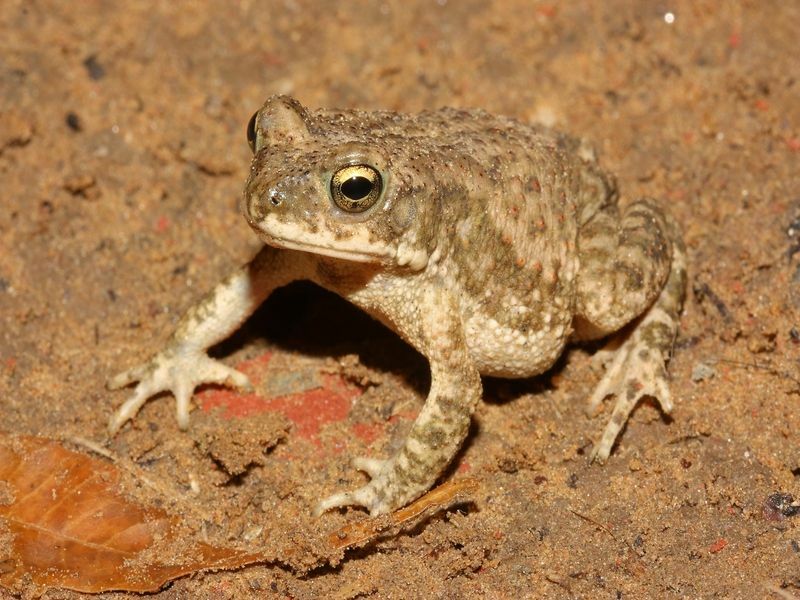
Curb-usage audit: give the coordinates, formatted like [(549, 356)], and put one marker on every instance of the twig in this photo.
[(754, 365)]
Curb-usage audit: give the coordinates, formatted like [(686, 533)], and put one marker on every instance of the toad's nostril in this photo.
[(274, 198)]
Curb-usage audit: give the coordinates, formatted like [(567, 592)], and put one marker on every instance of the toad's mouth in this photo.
[(323, 242), (343, 253)]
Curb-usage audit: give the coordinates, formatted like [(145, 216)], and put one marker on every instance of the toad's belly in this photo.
[(516, 346)]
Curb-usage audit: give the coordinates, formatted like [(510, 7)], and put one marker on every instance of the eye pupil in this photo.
[(357, 187)]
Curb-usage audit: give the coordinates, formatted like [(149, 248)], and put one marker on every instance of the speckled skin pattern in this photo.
[(491, 245)]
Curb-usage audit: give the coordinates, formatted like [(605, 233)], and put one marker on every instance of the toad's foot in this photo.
[(637, 370), (176, 370), (373, 496)]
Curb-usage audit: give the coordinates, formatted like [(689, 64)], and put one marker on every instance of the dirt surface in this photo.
[(123, 154)]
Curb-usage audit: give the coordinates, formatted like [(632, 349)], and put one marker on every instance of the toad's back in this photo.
[(508, 200)]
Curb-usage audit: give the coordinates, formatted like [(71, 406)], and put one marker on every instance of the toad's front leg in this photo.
[(184, 364), (441, 426)]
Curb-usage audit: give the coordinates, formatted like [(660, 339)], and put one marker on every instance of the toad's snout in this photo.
[(283, 198), (261, 200)]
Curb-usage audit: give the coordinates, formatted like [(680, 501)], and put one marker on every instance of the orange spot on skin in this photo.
[(793, 144), (464, 467), (718, 545), (762, 104), (734, 39)]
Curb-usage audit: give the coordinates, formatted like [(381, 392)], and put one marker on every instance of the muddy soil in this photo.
[(122, 157)]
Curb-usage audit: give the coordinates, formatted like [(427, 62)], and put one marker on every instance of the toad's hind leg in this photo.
[(633, 267)]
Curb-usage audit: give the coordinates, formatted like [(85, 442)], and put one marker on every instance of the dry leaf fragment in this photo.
[(73, 528), (361, 532)]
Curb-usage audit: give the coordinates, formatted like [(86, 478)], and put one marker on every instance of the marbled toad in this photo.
[(485, 243)]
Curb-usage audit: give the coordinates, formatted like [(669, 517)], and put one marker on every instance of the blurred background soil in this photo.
[(122, 157)]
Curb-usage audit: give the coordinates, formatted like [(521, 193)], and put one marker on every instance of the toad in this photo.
[(486, 243)]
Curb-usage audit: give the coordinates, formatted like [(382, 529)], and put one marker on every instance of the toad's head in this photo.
[(342, 184)]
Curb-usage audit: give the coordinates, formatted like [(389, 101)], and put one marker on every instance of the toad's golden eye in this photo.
[(356, 188), (251, 132)]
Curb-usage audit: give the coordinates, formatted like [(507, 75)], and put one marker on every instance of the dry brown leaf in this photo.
[(70, 526), (73, 528)]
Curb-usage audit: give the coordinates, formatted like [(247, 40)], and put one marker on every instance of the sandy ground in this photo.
[(122, 156)]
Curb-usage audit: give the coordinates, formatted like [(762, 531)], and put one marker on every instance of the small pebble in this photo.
[(702, 371)]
